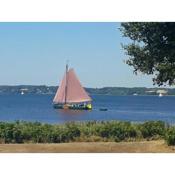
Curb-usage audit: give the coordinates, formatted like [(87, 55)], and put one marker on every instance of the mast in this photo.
[(66, 83)]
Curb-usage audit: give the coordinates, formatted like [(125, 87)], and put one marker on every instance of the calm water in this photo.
[(128, 108)]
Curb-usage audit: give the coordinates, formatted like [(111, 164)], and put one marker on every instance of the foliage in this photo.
[(152, 50), (28, 132), (152, 128), (117, 130), (170, 136)]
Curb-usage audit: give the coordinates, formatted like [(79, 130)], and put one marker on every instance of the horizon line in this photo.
[(92, 87)]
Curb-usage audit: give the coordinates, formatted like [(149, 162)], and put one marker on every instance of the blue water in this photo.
[(128, 108)]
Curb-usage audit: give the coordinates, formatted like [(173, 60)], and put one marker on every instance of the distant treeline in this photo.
[(113, 131), (29, 89)]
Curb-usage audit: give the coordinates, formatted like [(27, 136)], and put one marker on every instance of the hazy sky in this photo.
[(36, 54)]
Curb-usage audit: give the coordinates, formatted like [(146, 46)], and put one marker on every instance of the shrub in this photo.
[(117, 131), (152, 129), (22, 132), (170, 136), (71, 131), (122, 131), (17, 136)]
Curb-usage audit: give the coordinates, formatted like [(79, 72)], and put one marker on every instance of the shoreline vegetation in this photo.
[(22, 132), (32, 89)]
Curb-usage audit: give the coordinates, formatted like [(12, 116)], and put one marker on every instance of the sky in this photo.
[(36, 54)]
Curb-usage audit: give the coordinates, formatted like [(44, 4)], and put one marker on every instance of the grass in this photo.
[(156, 146)]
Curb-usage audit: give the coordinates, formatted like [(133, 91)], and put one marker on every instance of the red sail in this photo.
[(74, 93), (60, 94)]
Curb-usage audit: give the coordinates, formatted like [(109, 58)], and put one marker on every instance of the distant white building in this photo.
[(151, 91), (23, 91), (162, 91)]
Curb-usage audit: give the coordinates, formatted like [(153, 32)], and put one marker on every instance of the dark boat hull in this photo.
[(72, 107), (58, 106)]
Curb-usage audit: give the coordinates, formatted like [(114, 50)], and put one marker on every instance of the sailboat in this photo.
[(71, 94), (160, 95)]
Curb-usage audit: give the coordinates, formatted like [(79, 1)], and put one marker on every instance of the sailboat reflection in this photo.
[(71, 115)]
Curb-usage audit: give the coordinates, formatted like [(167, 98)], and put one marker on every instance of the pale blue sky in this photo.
[(36, 54)]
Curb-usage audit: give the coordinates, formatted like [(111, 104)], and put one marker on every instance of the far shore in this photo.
[(158, 146)]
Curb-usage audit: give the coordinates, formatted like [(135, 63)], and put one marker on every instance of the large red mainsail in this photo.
[(71, 90)]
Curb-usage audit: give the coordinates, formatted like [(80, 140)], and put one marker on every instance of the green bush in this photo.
[(122, 131), (117, 131), (71, 131), (152, 129), (26, 132), (170, 136)]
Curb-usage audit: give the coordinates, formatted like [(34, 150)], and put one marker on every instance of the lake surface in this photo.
[(127, 108)]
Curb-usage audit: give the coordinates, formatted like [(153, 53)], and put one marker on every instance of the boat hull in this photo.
[(73, 107), (58, 106)]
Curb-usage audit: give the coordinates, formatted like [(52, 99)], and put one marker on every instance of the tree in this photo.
[(152, 50)]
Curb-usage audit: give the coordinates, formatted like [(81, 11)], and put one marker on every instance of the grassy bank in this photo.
[(113, 131), (156, 146)]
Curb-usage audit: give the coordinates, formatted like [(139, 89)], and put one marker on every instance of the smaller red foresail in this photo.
[(60, 94)]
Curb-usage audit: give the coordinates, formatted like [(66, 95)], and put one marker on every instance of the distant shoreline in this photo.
[(114, 91), (95, 95)]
